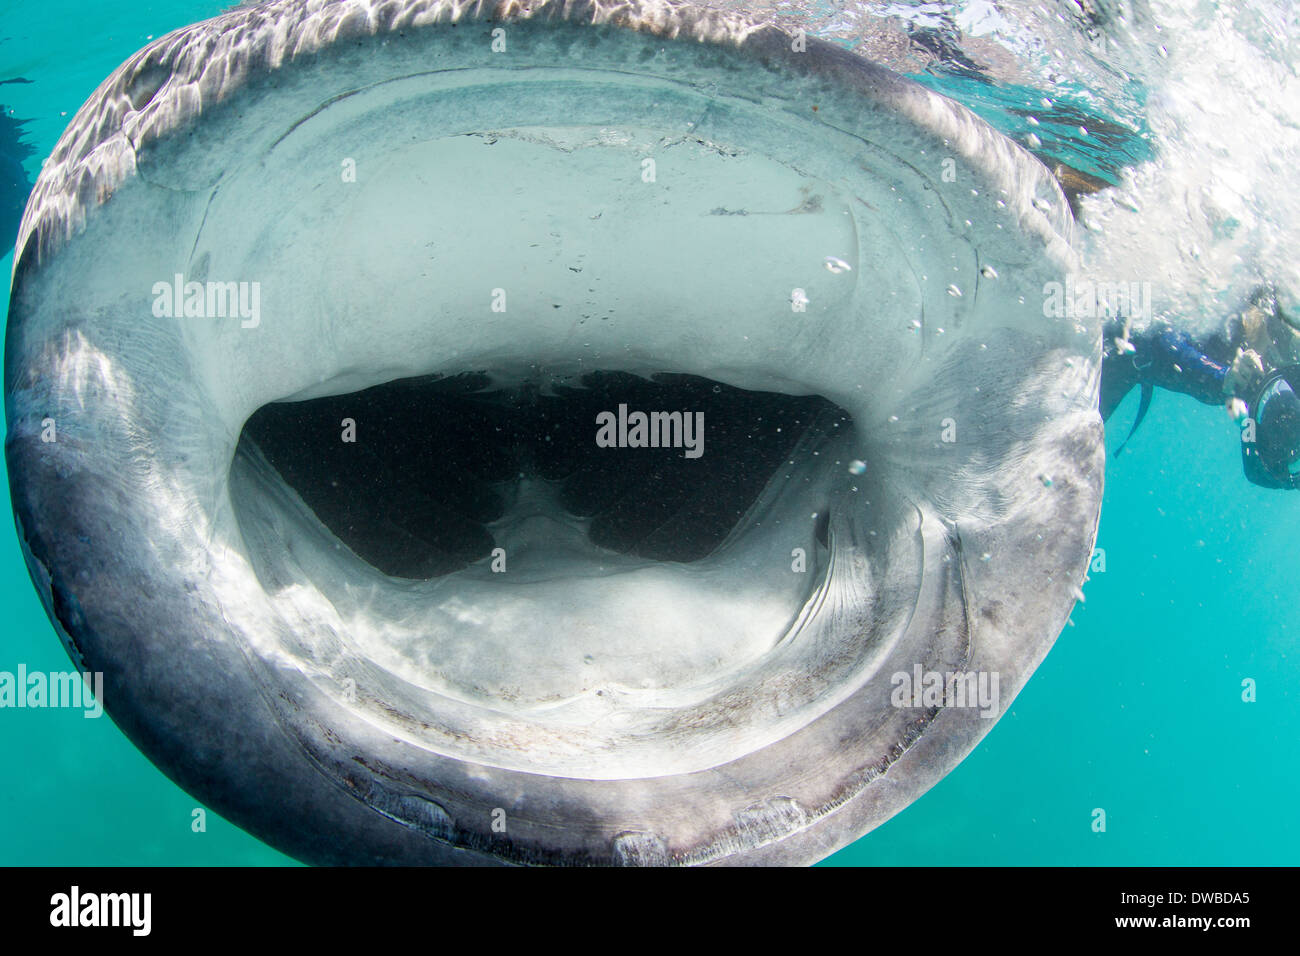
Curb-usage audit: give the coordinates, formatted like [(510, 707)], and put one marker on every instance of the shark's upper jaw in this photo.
[(670, 191)]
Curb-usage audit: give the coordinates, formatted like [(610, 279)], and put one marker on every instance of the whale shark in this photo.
[(345, 343)]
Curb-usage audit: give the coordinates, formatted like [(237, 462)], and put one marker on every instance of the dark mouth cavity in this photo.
[(435, 463)]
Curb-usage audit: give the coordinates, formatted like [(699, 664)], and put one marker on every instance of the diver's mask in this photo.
[(1273, 458)]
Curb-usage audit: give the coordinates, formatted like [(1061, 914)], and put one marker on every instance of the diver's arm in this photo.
[(1178, 364), (1157, 356), (1165, 358)]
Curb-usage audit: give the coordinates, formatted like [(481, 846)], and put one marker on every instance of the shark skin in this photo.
[(378, 173)]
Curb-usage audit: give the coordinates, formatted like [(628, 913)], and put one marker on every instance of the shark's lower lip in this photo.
[(671, 191)]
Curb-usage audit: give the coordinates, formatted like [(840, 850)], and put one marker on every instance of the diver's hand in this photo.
[(1245, 375)]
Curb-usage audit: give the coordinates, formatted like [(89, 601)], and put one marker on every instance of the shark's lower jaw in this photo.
[(306, 263)]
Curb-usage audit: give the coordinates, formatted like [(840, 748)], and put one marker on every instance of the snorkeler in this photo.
[(1225, 368)]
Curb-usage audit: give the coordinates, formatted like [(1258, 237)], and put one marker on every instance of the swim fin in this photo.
[(1144, 403)]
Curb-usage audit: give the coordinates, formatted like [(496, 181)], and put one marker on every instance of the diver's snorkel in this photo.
[(1272, 459)]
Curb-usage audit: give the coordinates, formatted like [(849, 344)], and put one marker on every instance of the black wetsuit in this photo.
[(1168, 358)]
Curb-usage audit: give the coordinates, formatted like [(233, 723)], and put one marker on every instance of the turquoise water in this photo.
[(1137, 710)]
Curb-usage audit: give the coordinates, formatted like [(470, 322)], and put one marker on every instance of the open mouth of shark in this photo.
[(495, 557), (457, 468), (479, 544), (591, 436)]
